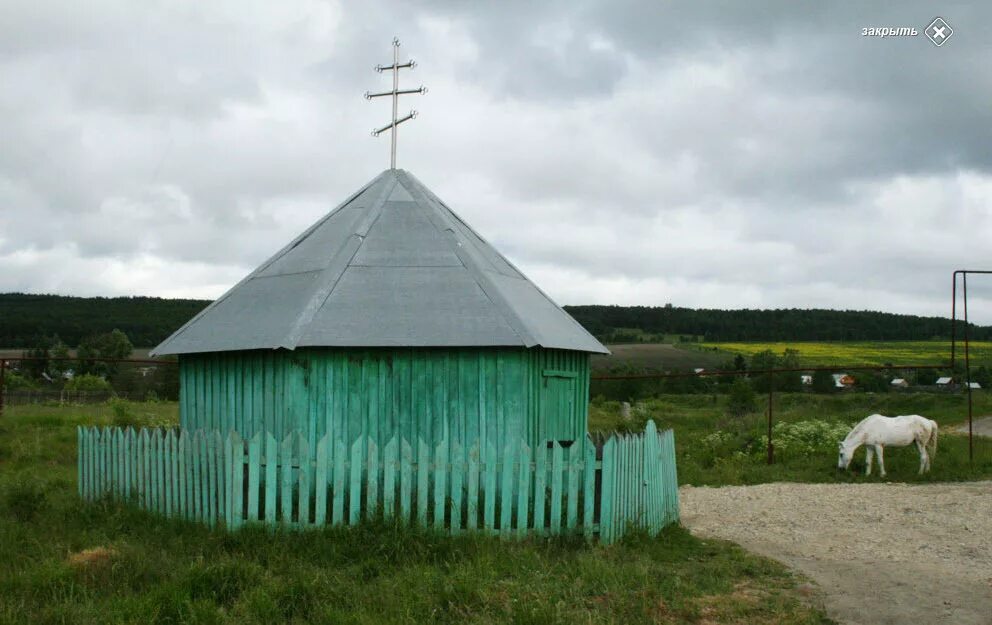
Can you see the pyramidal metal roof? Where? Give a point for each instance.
(391, 266)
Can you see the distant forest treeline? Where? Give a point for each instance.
(767, 325)
(148, 320)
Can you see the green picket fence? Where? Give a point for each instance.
(604, 489)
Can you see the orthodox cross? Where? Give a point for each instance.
(396, 92)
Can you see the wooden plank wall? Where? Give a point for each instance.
(514, 491)
(495, 394)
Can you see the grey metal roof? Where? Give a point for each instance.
(391, 266)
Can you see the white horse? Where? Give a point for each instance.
(877, 431)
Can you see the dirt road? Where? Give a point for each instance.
(881, 553)
(982, 426)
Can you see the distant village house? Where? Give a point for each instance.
(843, 380)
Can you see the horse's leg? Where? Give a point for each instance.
(923, 456)
(881, 460)
(869, 453)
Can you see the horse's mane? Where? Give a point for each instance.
(857, 428)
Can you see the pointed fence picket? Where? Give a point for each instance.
(628, 481)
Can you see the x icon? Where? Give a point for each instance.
(939, 31)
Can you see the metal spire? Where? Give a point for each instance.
(396, 92)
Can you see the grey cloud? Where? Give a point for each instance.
(719, 154)
(855, 107)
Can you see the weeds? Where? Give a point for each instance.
(108, 563)
(123, 413)
(714, 449)
(24, 500)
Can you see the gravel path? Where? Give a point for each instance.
(981, 426)
(882, 553)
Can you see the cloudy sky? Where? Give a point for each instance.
(727, 155)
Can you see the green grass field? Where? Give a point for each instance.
(656, 356)
(687, 356)
(716, 449)
(863, 352)
(65, 562)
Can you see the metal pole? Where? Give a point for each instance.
(967, 370)
(3, 375)
(771, 447)
(396, 86)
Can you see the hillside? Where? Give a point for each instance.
(620, 324)
(148, 320)
(640, 357)
(860, 352)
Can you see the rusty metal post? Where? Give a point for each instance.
(771, 447)
(967, 370)
(3, 376)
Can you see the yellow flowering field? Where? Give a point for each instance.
(866, 352)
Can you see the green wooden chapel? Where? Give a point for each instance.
(390, 315)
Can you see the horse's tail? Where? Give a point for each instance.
(932, 441)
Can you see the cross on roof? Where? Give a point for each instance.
(395, 93)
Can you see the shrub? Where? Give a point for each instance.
(24, 500)
(872, 382)
(87, 382)
(717, 440)
(926, 377)
(807, 438)
(123, 414)
(742, 400)
(16, 381)
(823, 382)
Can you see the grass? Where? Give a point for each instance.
(657, 357)
(738, 455)
(863, 352)
(65, 562)
(686, 356)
